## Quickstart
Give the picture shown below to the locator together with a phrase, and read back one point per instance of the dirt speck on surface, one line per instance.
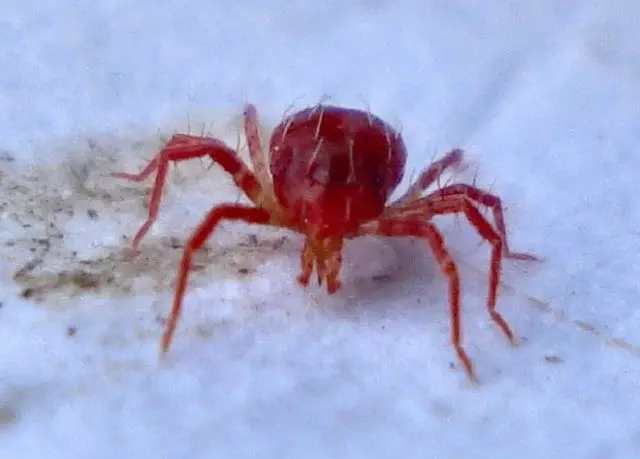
(7, 416)
(382, 278)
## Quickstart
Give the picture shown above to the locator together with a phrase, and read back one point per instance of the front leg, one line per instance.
(197, 239)
(450, 202)
(182, 147)
(430, 234)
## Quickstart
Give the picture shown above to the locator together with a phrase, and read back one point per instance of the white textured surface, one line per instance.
(543, 96)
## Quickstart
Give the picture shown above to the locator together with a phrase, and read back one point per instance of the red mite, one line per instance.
(331, 172)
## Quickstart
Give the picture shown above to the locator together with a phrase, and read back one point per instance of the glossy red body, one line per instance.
(334, 168)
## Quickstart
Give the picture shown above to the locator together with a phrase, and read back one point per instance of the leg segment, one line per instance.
(427, 231)
(428, 207)
(199, 236)
(457, 204)
(260, 167)
(468, 192)
(430, 175)
(182, 147)
(307, 260)
(251, 124)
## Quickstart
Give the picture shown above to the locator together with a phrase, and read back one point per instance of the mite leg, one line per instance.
(197, 239)
(486, 199)
(428, 232)
(430, 175)
(457, 204)
(182, 147)
(307, 260)
(260, 167)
